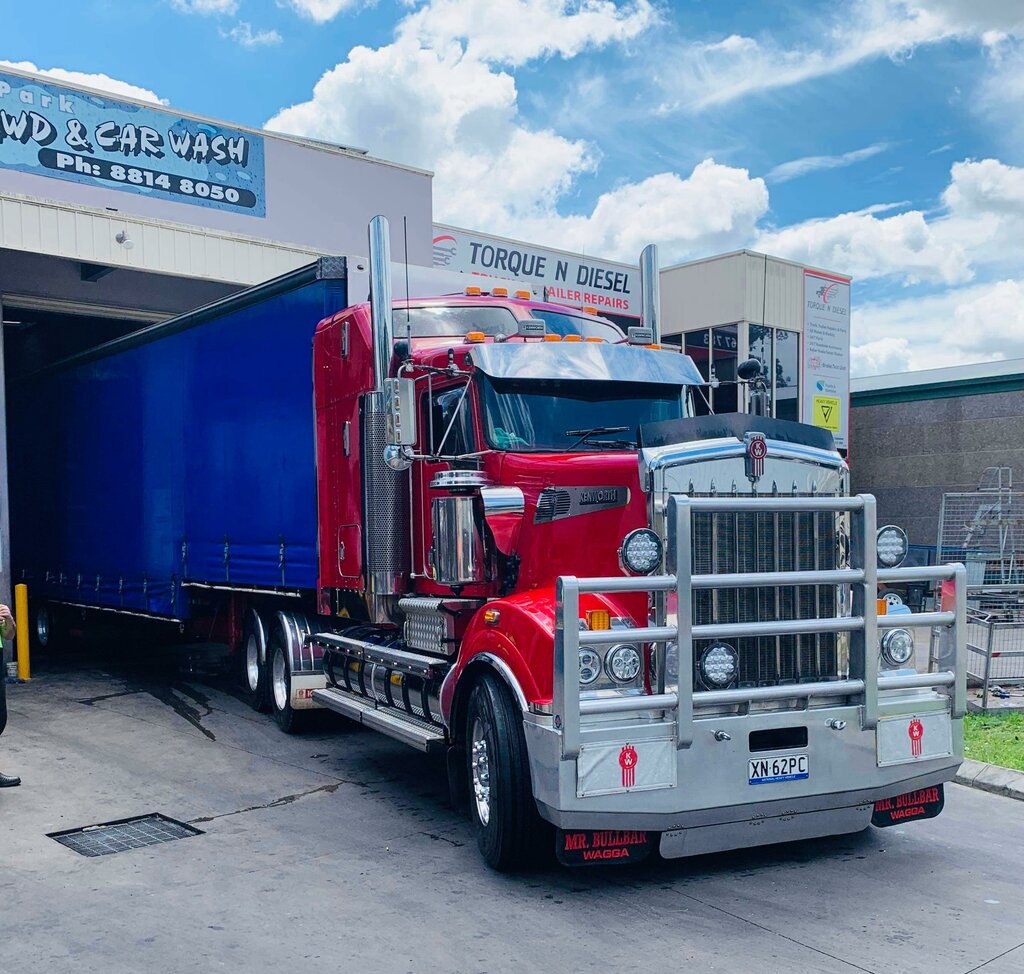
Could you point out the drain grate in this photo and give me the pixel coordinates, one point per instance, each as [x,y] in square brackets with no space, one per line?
[128,833]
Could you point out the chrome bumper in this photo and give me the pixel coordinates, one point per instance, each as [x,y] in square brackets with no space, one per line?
[709,731]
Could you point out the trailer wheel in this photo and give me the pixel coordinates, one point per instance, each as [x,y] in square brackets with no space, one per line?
[255,664]
[280,679]
[508,829]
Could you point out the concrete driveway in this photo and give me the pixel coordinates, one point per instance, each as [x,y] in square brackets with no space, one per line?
[337,851]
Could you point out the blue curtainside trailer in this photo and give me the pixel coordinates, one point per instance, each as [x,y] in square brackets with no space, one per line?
[183,453]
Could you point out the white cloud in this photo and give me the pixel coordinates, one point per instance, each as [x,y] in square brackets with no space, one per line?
[438,97]
[881,357]
[320,11]
[808,164]
[866,246]
[243,33]
[702,74]
[205,7]
[713,209]
[514,32]
[102,82]
[979,323]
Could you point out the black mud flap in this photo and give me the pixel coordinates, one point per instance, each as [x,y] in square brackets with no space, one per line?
[909,807]
[591,847]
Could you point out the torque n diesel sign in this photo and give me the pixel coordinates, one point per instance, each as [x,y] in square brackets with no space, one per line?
[554,275]
[49,130]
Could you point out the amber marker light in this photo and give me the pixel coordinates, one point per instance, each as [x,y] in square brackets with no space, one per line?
[500,292]
[473,291]
[552,338]
[598,620]
[475,336]
[524,295]
[573,338]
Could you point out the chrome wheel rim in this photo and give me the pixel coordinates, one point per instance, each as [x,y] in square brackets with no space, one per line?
[43,625]
[252,662]
[481,773]
[280,681]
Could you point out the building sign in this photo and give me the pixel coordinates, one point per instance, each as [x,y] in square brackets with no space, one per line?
[559,277]
[50,130]
[826,354]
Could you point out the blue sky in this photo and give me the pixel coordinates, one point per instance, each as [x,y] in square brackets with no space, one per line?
[881,138]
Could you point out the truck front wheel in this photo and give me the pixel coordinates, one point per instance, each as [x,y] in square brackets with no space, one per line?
[289,720]
[508,829]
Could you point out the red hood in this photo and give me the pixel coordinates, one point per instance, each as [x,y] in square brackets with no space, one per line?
[580,527]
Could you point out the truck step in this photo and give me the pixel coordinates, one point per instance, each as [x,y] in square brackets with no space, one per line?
[415,733]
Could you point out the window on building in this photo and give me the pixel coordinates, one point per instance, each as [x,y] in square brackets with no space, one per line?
[786,394]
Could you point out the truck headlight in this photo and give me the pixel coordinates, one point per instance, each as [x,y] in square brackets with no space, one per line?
[897,647]
[718,665]
[623,663]
[641,551]
[590,667]
[891,545]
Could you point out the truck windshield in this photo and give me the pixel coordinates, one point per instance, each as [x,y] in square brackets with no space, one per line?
[532,414]
[563,324]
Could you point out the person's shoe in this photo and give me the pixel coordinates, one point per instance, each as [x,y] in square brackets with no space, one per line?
[9,781]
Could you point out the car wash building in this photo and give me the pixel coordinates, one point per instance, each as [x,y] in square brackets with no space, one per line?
[115,214]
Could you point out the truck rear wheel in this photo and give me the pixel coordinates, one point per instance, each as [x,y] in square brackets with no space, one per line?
[255,664]
[508,829]
[280,680]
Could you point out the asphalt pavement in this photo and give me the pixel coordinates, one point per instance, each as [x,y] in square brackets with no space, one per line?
[337,851]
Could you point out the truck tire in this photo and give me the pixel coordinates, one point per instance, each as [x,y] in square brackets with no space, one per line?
[44,627]
[255,668]
[509,831]
[280,680]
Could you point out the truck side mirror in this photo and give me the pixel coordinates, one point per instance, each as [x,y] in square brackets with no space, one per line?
[750,369]
[400,409]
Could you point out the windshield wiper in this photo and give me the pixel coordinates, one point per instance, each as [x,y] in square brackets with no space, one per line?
[582,435]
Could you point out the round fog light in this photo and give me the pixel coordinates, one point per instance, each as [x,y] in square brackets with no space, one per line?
[590,667]
[623,663]
[718,665]
[641,551]
[891,544]
[897,647]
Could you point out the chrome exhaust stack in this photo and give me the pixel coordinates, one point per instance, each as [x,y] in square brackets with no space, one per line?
[650,292]
[386,553]
[383,328]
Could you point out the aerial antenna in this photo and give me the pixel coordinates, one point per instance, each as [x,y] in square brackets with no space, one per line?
[408,316]
[764,292]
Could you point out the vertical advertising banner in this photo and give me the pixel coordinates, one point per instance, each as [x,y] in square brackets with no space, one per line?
[50,130]
[826,354]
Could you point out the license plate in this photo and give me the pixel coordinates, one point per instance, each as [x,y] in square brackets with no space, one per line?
[767,771]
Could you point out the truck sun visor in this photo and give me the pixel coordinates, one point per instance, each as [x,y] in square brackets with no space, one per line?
[583,361]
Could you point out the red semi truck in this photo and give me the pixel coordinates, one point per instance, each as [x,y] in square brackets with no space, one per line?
[628,627]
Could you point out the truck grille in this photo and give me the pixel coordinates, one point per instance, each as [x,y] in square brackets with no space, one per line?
[748,542]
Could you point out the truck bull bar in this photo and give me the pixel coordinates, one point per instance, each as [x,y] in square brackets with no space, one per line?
[863,624]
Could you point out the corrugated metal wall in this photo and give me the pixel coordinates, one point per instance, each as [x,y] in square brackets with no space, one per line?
[77,233]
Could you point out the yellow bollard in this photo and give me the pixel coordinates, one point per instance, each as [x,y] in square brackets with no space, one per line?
[21,620]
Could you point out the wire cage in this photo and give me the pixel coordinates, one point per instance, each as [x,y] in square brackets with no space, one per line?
[984,529]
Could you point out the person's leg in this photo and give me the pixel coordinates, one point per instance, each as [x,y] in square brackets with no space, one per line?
[6,781]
